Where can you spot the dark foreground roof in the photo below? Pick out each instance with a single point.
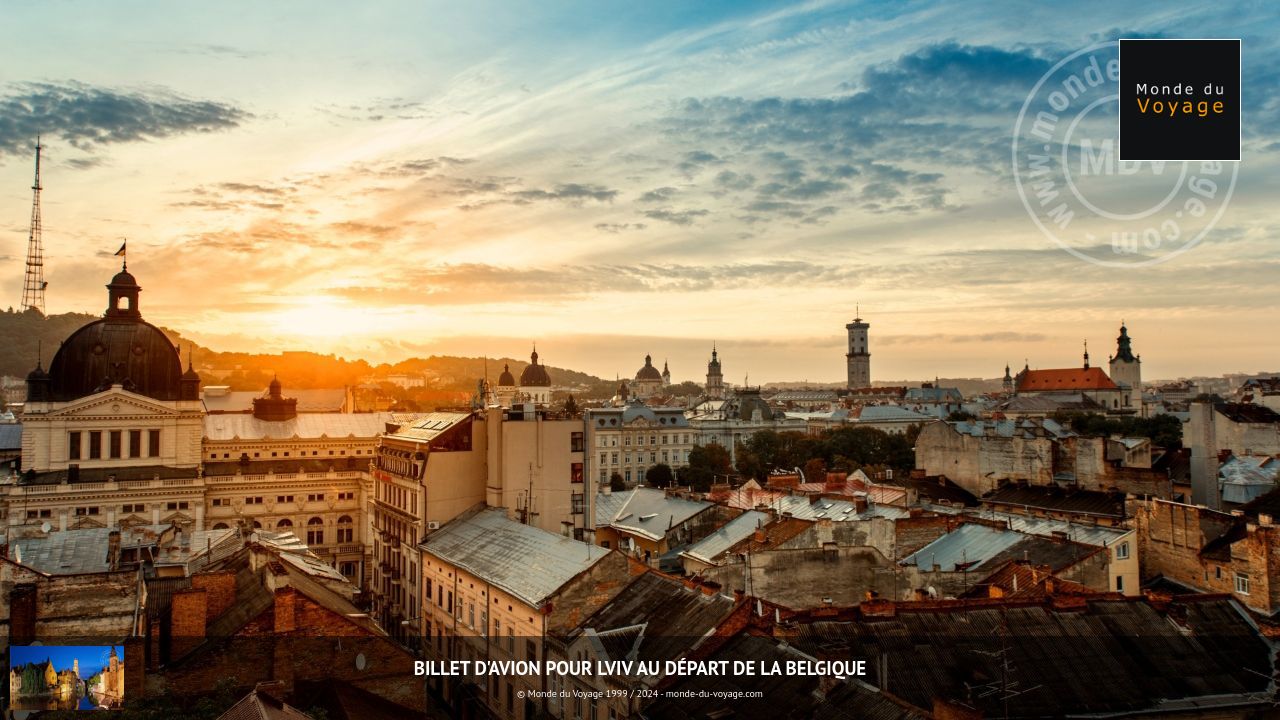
(1108, 656)
(1057, 499)
(657, 617)
(783, 696)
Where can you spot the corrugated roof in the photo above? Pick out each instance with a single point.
(656, 617)
(1098, 535)
(305, 426)
(710, 547)
(529, 563)
(968, 545)
(429, 426)
(322, 400)
(649, 512)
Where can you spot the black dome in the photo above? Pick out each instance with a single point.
(534, 375)
(121, 348)
(133, 353)
(506, 379)
(648, 372)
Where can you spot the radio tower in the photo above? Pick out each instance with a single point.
(34, 284)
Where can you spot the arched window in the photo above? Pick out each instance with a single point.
(221, 526)
(315, 531)
(346, 529)
(284, 523)
(257, 525)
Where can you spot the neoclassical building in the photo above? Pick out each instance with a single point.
(115, 434)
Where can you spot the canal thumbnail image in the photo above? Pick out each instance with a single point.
(71, 677)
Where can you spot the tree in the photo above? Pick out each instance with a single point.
(707, 464)
(815, 470)
(660, 476)
(616, 483)
(958, 415)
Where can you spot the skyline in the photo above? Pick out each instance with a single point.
(607, 181)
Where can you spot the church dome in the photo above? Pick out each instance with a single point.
(506, 379)
(648, 372)
(535, 375)
(121, 348)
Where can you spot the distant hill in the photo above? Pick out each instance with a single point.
(24, 335)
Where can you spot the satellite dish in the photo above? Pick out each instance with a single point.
(45, 526)
(360, 661)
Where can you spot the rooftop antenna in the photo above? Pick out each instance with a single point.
(33, 284)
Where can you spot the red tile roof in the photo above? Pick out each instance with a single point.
(1091, 378)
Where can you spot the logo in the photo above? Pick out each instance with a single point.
(1075, 187)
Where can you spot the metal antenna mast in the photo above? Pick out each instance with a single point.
(33, 285)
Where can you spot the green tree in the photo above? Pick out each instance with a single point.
(616, 483)
(707, 464)
(660, 476)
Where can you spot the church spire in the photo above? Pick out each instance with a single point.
(1086, 354)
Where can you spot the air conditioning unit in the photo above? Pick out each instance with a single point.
(433, 525)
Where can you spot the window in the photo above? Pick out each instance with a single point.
(284, 523)
(221, 526)
(183, 505)
(346, 496)
(133, 508)
(315, 531)
(135, 443)
(284, 498)
(73, 445)
(346, 529)
(87, 510)
(315, 497)
(221, 502)
(253, 500)
(575, 472)
(575, 442)
(1122, 551)
(1119, 583)
(153, 443)
(95, 445)
(1242, 583)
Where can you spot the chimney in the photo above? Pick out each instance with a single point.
(759, 536)
(113, 550)
(22, 613)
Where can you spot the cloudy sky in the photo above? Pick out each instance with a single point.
(608, 179)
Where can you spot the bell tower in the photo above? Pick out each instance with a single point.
(858, 357)
(1126, 370)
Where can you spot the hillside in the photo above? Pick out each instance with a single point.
(24, 334)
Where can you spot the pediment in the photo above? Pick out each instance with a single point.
(113, 403)
(177, 518)
(84, 521)
(133, 520)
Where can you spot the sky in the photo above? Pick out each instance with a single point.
(389, 180)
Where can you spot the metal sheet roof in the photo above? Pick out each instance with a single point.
(10, 436)
(428, 426)
(1098, 535)
(650, 512)
(304, 426)
(710, 547)
(967, 544)
(527, 562)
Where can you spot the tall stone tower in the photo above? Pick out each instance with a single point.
(715, 378)
(858, 356)
(1126, 370)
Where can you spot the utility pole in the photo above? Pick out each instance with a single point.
(33, 284)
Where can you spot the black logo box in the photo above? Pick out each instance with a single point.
(1187, 68)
